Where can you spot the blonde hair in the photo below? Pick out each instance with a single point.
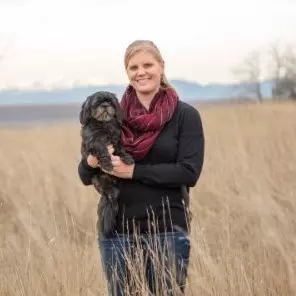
(146, 45)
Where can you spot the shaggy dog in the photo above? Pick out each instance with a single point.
(101, 119)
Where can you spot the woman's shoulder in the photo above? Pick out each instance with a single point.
(186, 109)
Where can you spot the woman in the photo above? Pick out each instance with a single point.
(165, 137)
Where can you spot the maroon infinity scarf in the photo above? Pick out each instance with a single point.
(141, 127)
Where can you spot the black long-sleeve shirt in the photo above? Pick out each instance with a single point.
(154, 197)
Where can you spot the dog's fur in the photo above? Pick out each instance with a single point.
(101, 119)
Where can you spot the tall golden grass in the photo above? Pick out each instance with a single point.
(244, 205)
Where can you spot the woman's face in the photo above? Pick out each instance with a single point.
(144, 72)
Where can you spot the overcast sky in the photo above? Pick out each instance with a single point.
(56, 43)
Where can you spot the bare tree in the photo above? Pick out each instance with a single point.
(249, 72)
(283, 73)
(277, 65)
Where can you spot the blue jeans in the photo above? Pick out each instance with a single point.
(160, 259)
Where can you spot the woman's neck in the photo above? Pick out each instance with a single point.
(146, 98)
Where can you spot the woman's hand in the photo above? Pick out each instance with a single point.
(120, 169)
(94, 161)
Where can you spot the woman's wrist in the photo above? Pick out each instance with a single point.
(131, 173)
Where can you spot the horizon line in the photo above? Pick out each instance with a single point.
(114, 84)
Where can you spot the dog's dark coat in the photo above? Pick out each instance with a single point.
(96, 136)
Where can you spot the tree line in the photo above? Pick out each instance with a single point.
(277, 64)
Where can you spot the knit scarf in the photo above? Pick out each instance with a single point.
(141, 127)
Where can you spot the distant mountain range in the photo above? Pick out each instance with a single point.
(188, 91)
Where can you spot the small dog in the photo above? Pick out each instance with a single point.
(101, 119)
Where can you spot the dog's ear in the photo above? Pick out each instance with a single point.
(85, 111)
(118, 111)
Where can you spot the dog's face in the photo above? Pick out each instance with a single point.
(104, 111)
(101, 106)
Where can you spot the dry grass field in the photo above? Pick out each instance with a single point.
(244, 206)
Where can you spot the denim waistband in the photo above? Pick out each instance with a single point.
(145, 236)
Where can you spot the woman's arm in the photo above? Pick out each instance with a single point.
(87, 168)
(190, 158)
(86, 172)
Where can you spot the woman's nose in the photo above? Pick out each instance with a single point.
(141, 71)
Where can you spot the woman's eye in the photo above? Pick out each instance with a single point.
(148, 65)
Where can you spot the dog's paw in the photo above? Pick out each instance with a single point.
(127, 159)
(107, 166)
